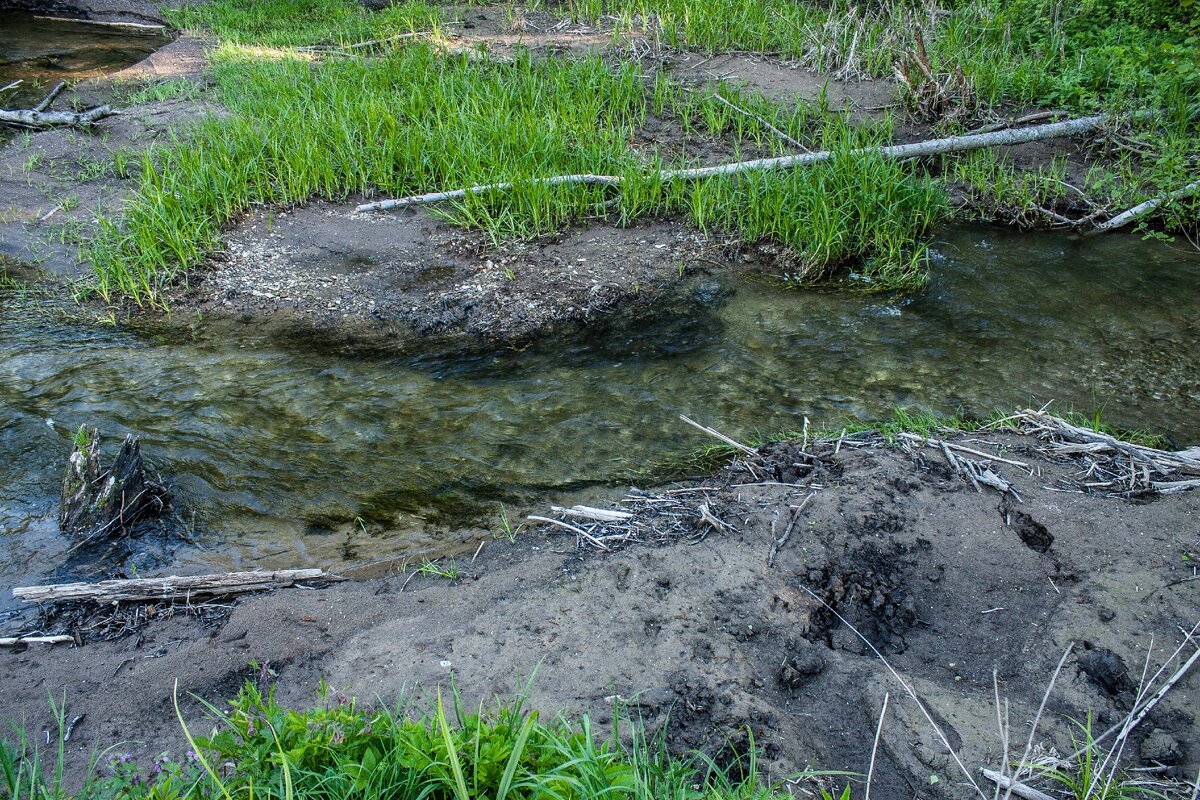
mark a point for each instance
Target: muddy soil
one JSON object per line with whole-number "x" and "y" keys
{"x": 948, "y": 583}
{"x": 390, "y": 280}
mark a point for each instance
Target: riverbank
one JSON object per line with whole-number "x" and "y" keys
{"x": 713, "y": 624}
{"x": 514, "y": 265}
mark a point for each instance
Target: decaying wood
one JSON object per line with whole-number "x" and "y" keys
{"x": 1142, "y": 209}
{"x": 1065, "y": 437}
{"x": 782, "y": 540}
{"x": 40, "y": 116}
{"x": 1019, "y": 789}
{"x": 718, "y": 435}
{"x": 912, "y": 437}
{"x": 173, "y": 587}
{"x": 978, "y": 474}
{"x": 98, "y": 503}
{"x": 17, "y": 641}
{"x": 597, "y": 514}
{"x": 930, "y": 147}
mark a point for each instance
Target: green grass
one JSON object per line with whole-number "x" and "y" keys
{"x": 1096, "y": 55}
{"x": 292, "y": 23}
{"x": 341, "y": 751}
{"x": 413, "y": 120}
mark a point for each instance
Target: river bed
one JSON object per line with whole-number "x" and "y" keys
{"x": 287, "y": 455}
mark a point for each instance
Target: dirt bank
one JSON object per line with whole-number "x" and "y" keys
{"x": 391, "y": 280}
{"x": 693, "y": 623}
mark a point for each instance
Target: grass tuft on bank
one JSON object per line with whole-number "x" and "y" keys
{"x": 415, "y": 120}
{"x": 339, "y": 750}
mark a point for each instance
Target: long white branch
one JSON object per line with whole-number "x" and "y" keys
{"x": 1142, "y": 209}
{"x": 929, "y": 147}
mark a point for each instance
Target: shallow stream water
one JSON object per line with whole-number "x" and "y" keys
{"x": 293, "y": 456}
{"x": 41, "y": 50}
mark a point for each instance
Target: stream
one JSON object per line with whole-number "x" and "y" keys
{"x": 292, "y": 455}
{"x": 41, "y": 50}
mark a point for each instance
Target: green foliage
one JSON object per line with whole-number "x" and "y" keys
{"x": 284, "y": 23}
{"x": 1095, "y": 775}
{"x": 414, "y": 120}
{"x": 339, "y": 751}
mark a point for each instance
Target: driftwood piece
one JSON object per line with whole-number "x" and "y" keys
{"x": 1013, "y": 787}
{"x": 40, "y": 116}
{"x": 930, "y": 147}
{"x": 97, "y": 503}
{"x": 30, "y": 118}
{"x": 718, "y": 435}
{"x": 595, "y": 514}
{"x": 173, "y": 587}
{"x": 17, "y": 641}
{"x": 1059, "y": 431}
{"x": 1142, "y": 209}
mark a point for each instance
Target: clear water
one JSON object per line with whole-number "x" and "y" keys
{"x": 42, "y": 51}
{"x": 279, "y": 449}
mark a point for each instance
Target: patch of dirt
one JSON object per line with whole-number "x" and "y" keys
{"x": 711, "y": 637}
{"x": 388, "y": 278}
{"x": 864, "y": 100}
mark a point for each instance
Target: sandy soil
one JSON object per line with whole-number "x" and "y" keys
{"x": 949, "y": 583}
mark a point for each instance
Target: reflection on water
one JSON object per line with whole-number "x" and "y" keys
{"x": 282, "y": 448}
{"x": 42, "y": 51}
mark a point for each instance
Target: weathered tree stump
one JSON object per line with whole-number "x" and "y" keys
{"x": 98, "y": 503}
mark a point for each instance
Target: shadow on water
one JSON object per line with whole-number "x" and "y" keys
{"x": 299, "y": 456}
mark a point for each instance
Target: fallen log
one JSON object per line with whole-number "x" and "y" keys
{"x": 174, "y": 587}
{"x": 17, "y": 641}
{"x": 32, "y": 118}
{"x": 1142, "y": 209}
{"x": 930, "y": 147}
{"x": 40, "y": 116}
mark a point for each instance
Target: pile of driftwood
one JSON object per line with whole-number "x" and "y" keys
{"x": 1111, "y": 466}
{"x": 691, "y": 513}
{"x": 113, "y": 608}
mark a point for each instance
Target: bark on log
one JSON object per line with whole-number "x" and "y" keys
{"x": 170, "y": 588}
{"x": 31, "y": 118}
{"x": 1142, "y": 209}
{"x": 950, "y": 144}
{"x": 40, "y": 116}
{"x": 99, "y": 503}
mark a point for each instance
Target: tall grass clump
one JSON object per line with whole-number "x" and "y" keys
{"x": 341, "y": 751}
{"x": 414, "y": 120}
{"x": 407, "y": 122}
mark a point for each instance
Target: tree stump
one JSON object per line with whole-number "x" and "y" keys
{"x": 98, "y": 503}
